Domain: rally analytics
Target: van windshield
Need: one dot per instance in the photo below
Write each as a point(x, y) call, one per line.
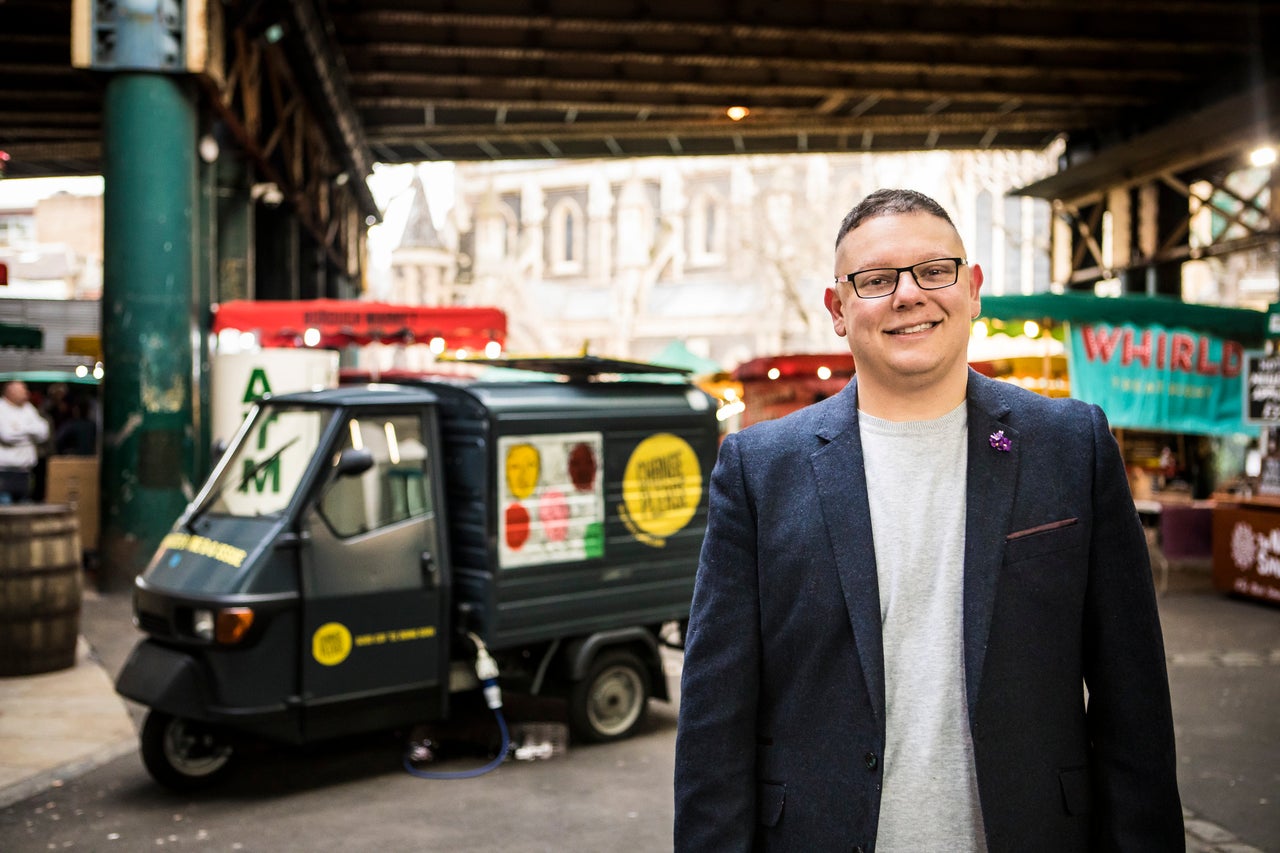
point(265, 467)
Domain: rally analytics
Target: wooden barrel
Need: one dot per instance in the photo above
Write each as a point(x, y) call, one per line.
point(40, 588)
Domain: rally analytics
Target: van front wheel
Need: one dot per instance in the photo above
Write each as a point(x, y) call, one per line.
point(611, 700)
point(184, 755)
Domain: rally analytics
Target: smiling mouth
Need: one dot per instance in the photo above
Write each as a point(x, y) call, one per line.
point(909, 330)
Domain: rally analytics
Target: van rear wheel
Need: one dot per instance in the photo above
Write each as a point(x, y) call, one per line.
point(182, 754)
point(611, 700)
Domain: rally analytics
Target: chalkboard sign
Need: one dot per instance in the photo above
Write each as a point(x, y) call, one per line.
point(1262, 388)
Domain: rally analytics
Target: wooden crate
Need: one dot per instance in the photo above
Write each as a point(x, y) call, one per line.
point(73, 480)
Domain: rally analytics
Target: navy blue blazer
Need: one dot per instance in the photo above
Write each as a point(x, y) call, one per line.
point(782, 717)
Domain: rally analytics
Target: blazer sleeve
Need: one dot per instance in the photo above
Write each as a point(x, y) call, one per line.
point(715, 787)
point(1130, 720)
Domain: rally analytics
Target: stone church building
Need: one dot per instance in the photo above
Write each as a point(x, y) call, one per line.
point(728, 255)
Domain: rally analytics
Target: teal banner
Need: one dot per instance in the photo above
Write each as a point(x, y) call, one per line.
point(1157, 378)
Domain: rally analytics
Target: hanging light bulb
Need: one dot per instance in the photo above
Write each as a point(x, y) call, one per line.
point(1263, 156)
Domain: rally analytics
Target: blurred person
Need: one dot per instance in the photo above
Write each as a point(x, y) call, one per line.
point(924, 616)
point(56, 405)
point(78, 433)
point(22, 429)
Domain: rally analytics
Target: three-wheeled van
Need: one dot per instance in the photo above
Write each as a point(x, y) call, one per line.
point(354, 546)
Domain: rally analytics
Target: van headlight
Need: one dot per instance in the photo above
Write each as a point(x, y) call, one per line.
point(202, 624)
point(225, 626)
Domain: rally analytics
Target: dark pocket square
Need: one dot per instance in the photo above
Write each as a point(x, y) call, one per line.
point(1042, 528)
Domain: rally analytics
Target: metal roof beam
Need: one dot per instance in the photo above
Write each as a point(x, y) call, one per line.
point(1152, 42)
point(1083, 69)
point(417, 89)
point(325, 72)
point(788, 126)
point(1204, 137)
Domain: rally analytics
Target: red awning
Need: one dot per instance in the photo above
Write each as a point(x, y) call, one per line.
point(344, 322)
point(795, 365)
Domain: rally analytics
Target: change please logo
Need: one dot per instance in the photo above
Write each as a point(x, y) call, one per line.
point(661, 488)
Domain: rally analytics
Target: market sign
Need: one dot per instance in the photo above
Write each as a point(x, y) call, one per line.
point(1160, 378)
point(20, 337)
point(1262, 384)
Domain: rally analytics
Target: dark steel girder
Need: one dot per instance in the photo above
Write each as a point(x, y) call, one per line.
point(321, 70)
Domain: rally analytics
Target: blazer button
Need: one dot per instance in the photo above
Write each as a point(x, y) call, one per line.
point(858, 848)
point(871, 760)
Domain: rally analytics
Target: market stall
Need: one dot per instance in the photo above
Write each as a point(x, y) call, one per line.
point(1246, 546)
point(1171, 377)
point(335, 323)
point(293, 345)
point(773, 386)
point(1246, 525)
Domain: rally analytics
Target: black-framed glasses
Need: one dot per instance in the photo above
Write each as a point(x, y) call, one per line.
point(929, 275)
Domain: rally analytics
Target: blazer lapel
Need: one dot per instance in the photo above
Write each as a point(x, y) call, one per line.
point(994, 456)
point(842, 492)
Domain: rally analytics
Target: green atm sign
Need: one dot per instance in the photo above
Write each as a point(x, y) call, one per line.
point(257, 474)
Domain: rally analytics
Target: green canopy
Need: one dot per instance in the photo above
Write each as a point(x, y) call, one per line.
point(676, 354)
point(21, 337)
point(1244, 325)
point(48, 377)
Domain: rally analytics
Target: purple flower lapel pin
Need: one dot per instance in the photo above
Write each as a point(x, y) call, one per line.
point(1000, 441)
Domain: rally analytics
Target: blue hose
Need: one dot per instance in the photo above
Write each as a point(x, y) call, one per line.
point(467, 774)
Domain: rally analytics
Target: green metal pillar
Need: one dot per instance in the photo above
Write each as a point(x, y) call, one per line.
point(149, 207)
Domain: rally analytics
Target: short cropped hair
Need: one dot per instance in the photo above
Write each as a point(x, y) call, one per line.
point(888, 203)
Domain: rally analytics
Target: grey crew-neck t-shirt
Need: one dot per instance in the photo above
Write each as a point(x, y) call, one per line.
point(916, 475)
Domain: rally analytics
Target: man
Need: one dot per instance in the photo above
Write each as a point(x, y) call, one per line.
point(905, 591)
point(21, 430)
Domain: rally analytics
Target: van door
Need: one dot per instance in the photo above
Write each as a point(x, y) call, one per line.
point(375, 582)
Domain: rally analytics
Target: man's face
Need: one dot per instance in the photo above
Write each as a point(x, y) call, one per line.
point(912, 338)
point(523, 464)
point(16, 393)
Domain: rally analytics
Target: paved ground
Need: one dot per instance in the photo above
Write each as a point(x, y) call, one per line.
point(70, 776)
point(59, 725)
point(1224, 675)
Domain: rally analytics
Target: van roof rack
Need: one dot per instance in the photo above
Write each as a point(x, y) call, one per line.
point(578, 368)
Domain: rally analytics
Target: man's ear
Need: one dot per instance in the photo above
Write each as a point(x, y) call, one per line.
point(975, 285)
point(832, 300)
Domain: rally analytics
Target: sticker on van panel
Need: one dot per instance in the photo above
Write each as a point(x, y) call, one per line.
point(551, 498)
point(661, 488)
point(331, 643)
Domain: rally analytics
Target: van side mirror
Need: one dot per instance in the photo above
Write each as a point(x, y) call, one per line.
point(352, 461)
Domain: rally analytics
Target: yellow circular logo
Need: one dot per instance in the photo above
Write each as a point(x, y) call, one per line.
point(662, 485)
point(331, 643)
